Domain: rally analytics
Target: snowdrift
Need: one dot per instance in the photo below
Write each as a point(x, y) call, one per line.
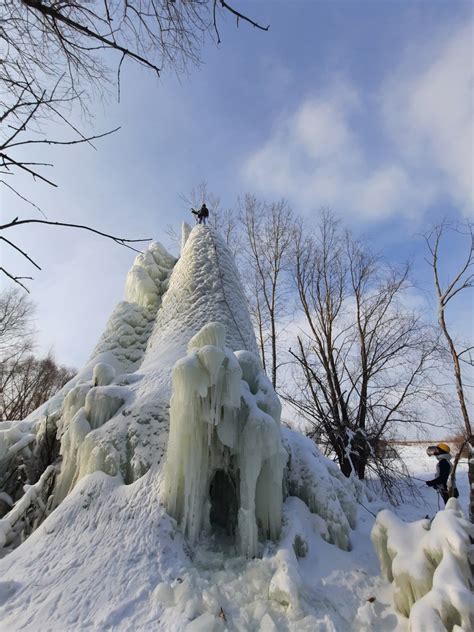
point(165, 450)
point(428, 563)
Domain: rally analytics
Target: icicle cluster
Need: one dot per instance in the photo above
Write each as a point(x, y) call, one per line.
point(224, 416)
point(147, 280)
point(428, 562)
point(85, 408)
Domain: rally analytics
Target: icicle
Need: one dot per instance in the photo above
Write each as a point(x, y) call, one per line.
point(221, 423)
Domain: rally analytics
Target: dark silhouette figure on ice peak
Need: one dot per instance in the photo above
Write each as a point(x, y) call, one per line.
point(202, 214)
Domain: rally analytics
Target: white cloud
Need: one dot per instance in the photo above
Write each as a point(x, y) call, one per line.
point(428, 113)
point(423, 130)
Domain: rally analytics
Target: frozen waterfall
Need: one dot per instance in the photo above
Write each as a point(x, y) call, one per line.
point(225, 456)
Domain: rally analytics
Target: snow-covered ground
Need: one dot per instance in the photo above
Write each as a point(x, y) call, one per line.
point(149, 584)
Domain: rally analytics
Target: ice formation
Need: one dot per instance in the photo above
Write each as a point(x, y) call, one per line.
point(428, 563)
point(319, 483)
point(229, 469)
point(225, 457)
point(147, 281)
point(87, 408)
point(185, 232)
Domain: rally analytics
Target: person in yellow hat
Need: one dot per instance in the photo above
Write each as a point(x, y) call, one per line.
point(443, 469)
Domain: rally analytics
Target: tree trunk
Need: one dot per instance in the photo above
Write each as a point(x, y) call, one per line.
point(470, 475)
point(462, 405)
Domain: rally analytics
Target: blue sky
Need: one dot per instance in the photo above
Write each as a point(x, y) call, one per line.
point(363, 107)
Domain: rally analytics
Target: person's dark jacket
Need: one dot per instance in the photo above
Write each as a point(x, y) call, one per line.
point(441, 481)
point(443, 471)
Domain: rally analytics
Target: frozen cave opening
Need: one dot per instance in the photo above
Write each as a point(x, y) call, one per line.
point(224, 503)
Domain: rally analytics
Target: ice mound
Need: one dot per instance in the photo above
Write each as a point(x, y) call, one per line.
point(229, 469)
point(225, 457)
point(319, 483)
point(428, 563)
point(75, 415)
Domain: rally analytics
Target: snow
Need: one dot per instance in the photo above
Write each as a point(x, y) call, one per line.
point(428, 563)
point(110, 556)
point(147, 281)
point(123, 564)
point(318, 482)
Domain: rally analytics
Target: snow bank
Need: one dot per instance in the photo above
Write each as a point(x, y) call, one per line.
point(224, 442)
point(428, 563)
point(319, 483)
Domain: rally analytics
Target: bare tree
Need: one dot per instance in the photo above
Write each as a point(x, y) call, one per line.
point(460, 353)
point(362, 358)
point(16, 324)
point(268, 238)
point(59, 54)
point(25, 380)
point(29, 382)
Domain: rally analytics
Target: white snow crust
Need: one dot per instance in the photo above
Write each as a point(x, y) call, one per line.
point(319, 483)
point(428, 562)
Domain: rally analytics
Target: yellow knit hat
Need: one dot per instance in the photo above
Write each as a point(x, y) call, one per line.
point(444, 446)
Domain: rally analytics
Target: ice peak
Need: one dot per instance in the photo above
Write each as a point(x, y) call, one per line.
point(204, 286)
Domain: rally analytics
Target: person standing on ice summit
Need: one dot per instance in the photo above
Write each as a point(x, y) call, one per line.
point(443, 470)
point(202, 214)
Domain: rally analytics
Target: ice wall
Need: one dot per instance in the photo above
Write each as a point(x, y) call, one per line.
point(428, 563)
point(224, 417)
point(87, 407)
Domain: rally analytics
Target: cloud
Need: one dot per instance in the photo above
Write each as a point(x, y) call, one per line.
point(395, 152)
point(429, 115)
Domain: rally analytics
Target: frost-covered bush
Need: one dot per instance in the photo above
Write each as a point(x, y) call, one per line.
point(428, 563)
point(318, 482)
point(26, 450)
point(224, 441)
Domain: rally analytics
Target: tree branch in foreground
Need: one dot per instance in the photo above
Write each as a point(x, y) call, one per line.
point(121, 241)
